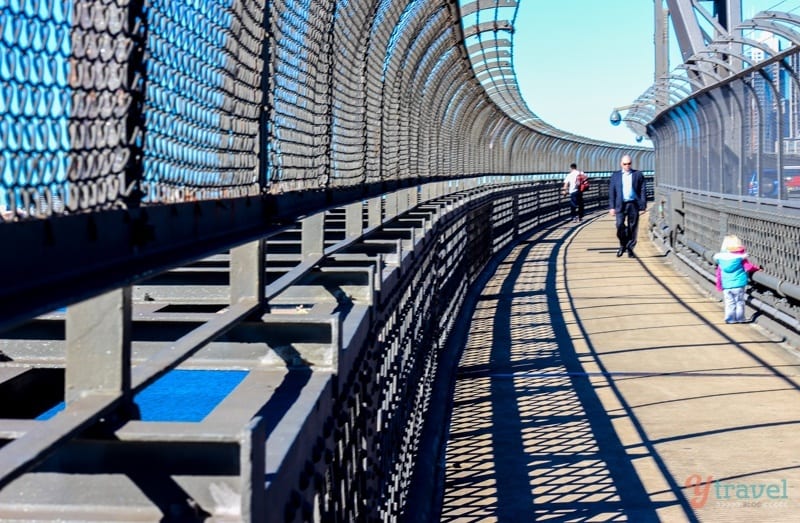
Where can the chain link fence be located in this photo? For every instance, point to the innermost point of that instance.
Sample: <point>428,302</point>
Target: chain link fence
<point>118,104</point>
<point>727,163</point>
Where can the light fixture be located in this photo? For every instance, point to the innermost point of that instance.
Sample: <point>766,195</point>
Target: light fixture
<point>615,118</point>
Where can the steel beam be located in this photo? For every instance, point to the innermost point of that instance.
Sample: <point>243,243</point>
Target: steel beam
<point>692,38</point>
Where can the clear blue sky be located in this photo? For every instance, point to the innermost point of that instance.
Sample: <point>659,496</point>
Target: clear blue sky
<point>578,59</point>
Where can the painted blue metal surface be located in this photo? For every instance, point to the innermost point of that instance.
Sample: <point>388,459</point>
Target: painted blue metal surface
<point>181,395</point>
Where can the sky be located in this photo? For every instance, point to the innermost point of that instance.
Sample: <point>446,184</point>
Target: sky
<point>576,60</point>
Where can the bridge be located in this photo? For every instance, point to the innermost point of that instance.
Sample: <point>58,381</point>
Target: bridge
<point>281,261</point>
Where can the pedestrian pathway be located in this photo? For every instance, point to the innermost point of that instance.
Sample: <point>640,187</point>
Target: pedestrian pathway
<point>597,388</point>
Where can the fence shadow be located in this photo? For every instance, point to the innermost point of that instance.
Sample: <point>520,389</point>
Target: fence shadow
<point>529,438</point>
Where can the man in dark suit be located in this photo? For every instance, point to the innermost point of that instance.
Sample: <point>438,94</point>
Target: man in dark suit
<point>627,198</point>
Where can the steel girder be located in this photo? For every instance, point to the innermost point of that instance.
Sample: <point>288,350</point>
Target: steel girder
<point>692,36</point>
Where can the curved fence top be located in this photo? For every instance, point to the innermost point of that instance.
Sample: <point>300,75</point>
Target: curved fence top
<point>113,105</point>
<point>745,49</point>
<point>138,136</point>
<point>726,122</point>
<point>489,27</point>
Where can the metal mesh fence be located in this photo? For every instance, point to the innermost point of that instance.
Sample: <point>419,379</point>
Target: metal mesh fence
<point>117,103</point>
<point>201,99</point>
<point>739,138</point>
<point>35,104</point>
<point>728,163</point>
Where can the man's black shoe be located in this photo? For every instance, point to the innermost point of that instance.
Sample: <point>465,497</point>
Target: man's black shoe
<point>620,251</point>
<point>630,254</point>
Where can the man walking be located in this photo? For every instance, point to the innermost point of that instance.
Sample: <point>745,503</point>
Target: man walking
<point>627,198</point>
<point>572,187</point>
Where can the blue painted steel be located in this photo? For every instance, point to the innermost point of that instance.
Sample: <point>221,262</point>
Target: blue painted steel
<point>181,395</point>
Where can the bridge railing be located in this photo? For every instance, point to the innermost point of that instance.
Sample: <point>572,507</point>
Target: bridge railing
<point>249,144</point>
<point>691,226</point>
<point>727,163</point>
<point>333,328</point>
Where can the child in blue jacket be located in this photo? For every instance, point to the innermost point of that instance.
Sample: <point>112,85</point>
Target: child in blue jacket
<point>733,269</point>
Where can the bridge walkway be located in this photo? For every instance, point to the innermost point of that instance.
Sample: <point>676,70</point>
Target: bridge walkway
<point>597,388</point>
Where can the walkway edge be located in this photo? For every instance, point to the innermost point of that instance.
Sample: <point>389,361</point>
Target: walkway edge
<point>427,485</point>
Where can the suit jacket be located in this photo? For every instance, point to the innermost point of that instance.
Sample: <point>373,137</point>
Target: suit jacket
<point>615,190</point>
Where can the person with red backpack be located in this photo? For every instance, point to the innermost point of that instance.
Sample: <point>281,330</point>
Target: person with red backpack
<point>574,184</point>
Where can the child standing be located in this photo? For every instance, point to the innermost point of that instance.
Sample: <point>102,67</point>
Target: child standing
<point>733,268</point>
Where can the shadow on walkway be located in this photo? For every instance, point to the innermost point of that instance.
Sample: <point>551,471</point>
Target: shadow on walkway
<point>596,388</point>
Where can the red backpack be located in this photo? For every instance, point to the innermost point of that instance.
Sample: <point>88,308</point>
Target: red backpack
<point>583,182</point>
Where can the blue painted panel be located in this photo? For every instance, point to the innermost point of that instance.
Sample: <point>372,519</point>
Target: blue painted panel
<point>180,395</point>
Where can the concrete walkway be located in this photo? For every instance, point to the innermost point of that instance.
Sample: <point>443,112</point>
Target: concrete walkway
<point>597,388</point>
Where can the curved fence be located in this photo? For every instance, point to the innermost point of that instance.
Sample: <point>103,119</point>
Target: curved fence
<point>728,163</point>
<point>138,136</point>
<point>306,362</point>
<point>116,104</point>
<point>288,198</point>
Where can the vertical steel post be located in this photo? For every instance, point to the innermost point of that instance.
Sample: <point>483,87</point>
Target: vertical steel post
<point>247,279</point>
<point>728,12</point>
<point>354,220</point>
<point>98,340</point>
<point>413,197</point>
<point>313,236</point>
<point>374,216</point>
<point>662,54</point>
<point>252,466</point>
<point>391,204</point>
